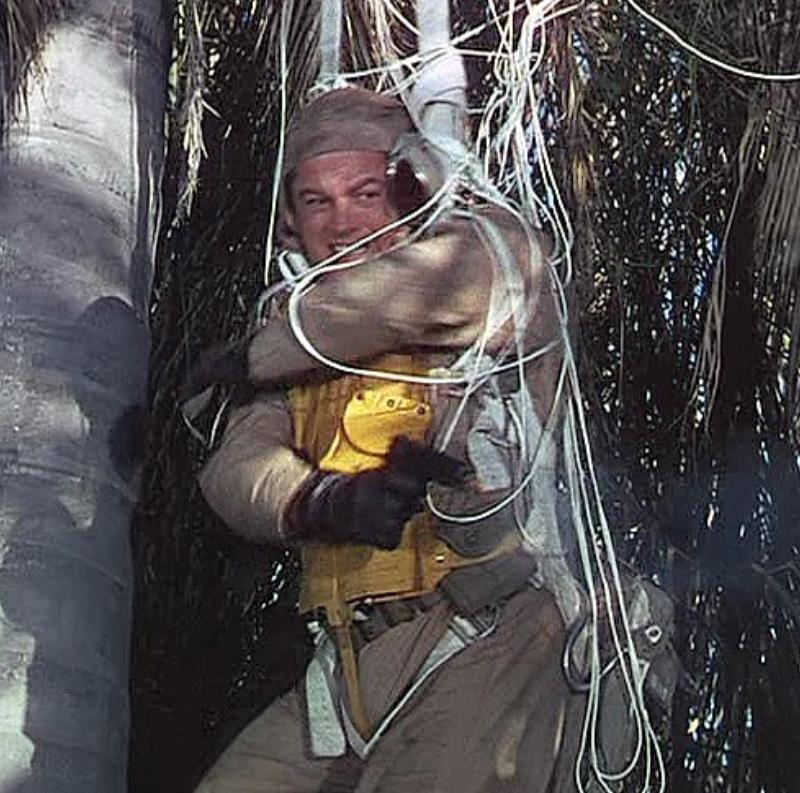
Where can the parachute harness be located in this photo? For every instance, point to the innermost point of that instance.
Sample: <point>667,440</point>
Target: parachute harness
<point>509,125</point>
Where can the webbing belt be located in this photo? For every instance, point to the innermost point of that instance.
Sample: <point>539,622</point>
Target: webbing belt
<point>330,584</point>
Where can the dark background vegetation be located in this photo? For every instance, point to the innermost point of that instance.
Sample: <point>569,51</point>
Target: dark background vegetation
<point>683,184</point>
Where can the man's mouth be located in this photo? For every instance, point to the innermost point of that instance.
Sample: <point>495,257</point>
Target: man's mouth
<point>355,253</point>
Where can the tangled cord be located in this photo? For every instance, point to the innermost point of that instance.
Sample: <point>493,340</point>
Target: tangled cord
<point>499,174</point>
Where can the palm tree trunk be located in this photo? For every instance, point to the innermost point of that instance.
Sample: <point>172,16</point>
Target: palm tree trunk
<point>78,209</point>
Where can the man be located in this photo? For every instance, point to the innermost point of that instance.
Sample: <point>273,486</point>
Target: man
<point>438,664</point>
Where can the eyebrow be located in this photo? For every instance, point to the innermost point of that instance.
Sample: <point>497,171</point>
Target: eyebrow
<point>359,184</point>
<point>366,182</point>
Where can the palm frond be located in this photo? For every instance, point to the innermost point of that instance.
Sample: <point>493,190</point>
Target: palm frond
<point>669,167</point>
<point>778,233</point>
<point>23,27</point>
<point>191,66</point>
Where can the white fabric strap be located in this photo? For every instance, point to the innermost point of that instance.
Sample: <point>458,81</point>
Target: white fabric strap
<point>433,19</point>
<point>326,734</point>
<point>460,634</point>
<point>330,43</point>
<point>438,100</point>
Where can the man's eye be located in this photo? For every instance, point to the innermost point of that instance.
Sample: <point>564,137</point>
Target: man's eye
<point>313,202</point>
<point>369,195</point>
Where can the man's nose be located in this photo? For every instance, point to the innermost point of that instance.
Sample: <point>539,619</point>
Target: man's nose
<point>343,218</point>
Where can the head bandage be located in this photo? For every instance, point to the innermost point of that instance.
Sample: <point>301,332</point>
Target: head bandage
<point>346,119</point>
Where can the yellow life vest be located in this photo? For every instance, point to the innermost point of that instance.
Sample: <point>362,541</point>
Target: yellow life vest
<point>348,425</point>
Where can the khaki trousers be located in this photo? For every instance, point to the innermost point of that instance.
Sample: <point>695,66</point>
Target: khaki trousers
<point>494,719</point>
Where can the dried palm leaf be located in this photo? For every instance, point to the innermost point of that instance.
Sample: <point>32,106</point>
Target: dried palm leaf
<point>23,28</point>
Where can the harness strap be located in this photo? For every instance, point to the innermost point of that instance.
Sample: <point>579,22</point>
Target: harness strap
<point>352,686</point>
<point>330,43</point>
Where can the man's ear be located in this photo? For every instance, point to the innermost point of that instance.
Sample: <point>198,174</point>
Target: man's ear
<point>289,217</point>
<point>286,232</point>
<point>287,237</point>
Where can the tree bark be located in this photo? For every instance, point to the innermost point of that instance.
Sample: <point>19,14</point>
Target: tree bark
<point>79,188</point>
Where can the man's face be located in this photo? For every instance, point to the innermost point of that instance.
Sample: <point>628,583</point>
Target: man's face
<point>339,198</point>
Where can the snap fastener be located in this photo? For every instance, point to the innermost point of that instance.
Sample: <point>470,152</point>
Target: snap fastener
<point>653,633</point>
<point>390,403</point>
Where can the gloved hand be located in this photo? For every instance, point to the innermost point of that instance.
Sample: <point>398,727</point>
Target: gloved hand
<point>371,507</point>
<point>223,364</point>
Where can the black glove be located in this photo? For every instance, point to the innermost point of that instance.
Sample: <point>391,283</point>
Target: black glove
<point>371,507</point>
<point>223,364</point>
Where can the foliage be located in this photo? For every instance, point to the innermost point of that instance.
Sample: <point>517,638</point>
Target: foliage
<point>683,184</point>
<point>683,187</point>
<point>204,598</point>
<point>23,25</point>
<point>686,205</point>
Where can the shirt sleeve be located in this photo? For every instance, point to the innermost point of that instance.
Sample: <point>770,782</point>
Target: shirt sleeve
<point>255,472</point>
<point>432,294</point>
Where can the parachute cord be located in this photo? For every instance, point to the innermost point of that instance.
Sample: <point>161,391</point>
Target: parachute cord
<point>587,506</point>
<point>386,51</point>
<point>772,77</point>
<point>286,13</point>
<point>306,285</point>
<point>511,122</point>
<point>514,494</point>
<point>586,501</point>
<point>520,313</point>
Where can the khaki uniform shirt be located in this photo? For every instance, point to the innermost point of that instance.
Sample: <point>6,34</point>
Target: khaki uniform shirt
<point>430,298</point>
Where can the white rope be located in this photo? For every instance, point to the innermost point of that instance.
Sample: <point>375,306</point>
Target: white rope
<point>286,14</point>
<point>480,376</point>
<point>588,508</point>
<point>771,77</point>
<point>510,124</point>
<point>387,51</point>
